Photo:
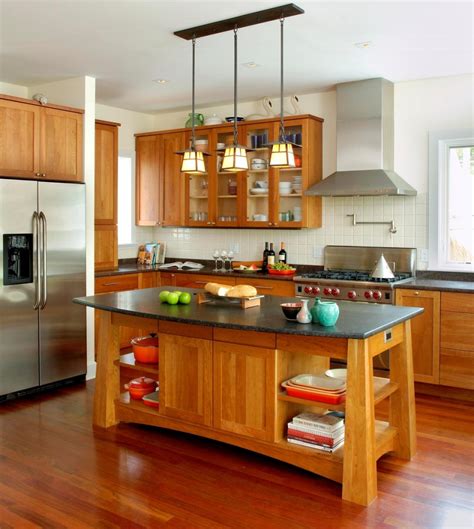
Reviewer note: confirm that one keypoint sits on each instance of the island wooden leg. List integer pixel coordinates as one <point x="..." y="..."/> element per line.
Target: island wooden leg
<point x="359" y="483"/>
<point x="402" y="402"/>
<point x="107" y="382"/>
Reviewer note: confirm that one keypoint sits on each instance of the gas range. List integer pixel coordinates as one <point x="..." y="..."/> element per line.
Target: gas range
<point x="347" y="274"/>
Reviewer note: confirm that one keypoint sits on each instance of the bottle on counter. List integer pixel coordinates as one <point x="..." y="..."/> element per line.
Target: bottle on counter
<point x="265" y="258"/>
<point x="282" y="256"/>
<point x="271" y="255"/>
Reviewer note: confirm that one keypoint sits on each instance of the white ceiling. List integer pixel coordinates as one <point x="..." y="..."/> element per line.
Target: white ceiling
<point x="127" y="44"/>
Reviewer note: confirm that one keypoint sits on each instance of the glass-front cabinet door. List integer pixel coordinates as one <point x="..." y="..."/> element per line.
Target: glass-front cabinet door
<point x="199" y="187"/>
<point x="228" y="184"/>
<point x="291" y="182"/>
<point x="258" y="181"/>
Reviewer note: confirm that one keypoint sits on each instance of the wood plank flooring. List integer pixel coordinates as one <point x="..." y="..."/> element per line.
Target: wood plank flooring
<point x="57" y="472"/>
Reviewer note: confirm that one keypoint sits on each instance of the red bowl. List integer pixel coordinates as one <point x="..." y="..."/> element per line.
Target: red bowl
<point x="145" y="349"/>
<point x="281" y="272"/>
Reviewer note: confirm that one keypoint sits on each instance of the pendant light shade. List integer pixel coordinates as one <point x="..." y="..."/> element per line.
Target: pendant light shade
<point x="282" y="151"/>
<point x="193" y="161"/>
<point x="235" y="155"/>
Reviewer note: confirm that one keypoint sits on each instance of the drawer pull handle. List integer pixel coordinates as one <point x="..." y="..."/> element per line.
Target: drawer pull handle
<point x="417" y="293"/>
<point x="263" y="287"/>
<point x="110" y="284"/>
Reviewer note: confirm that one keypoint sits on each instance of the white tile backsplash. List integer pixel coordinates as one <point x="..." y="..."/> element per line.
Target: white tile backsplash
<point x="409" y="213"/>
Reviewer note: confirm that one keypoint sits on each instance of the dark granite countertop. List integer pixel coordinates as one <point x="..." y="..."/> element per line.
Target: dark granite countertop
<point x="442" y="285"/>
<point x="357" y="320"/>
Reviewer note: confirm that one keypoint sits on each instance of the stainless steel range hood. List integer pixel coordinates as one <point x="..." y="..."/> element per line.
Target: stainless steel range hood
<point x="364" y="143"/>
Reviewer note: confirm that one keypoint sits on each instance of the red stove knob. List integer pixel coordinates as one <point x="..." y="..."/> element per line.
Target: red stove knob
<point x="316" y="290"/>
<point x="368" y="294"/>
<point x="307" y="290"/>
<point x="377" y="294"/>
<point x="351" y="294"/>
<point x="335" y="292"/>
<point x="327" y="291"/>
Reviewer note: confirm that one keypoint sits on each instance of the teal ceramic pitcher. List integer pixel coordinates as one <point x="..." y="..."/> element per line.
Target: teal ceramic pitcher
<point x="326" y="313"/>
<point x="198" y="120"/>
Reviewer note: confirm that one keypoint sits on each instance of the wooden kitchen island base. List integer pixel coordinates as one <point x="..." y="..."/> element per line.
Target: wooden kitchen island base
<point x="225" y="384"/>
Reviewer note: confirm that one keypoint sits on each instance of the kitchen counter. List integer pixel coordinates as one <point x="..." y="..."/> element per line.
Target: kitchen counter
<point x="221" y="369"/>
<point x="439" y="284"/>
<point x="357" y="320"/>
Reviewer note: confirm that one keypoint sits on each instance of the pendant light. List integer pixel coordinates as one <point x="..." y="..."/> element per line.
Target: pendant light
<point x="282" y="154"/>
<point x="235" y="155"/>
<point x="193" y="161"/>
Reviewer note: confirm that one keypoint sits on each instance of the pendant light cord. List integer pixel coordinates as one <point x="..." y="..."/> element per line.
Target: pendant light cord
<point x="193" y="96"/>
<point x="282" y="126"/>
<point x="235" y="85"/>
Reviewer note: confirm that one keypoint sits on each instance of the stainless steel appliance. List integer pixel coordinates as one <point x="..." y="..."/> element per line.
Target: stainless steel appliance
<point x="347" y="274"/>
<point x="42" y="268"/>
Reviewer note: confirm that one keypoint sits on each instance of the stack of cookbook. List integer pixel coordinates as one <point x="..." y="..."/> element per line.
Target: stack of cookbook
<point x="314" y="430"/>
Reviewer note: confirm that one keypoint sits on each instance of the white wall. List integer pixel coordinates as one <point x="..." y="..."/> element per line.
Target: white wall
<point x="13" y="90"/>
<point x="131" y="123"/>
<point x="420" y="107"/>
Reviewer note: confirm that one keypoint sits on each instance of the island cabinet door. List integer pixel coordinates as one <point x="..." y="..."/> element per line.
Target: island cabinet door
<point x="186" y="378"/>
<point x="244" y="387"/>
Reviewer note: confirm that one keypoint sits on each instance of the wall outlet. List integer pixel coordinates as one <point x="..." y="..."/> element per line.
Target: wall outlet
<point x="424" y="256"/>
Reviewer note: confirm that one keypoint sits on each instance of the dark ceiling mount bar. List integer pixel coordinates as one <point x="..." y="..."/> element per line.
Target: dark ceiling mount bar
<point x="250" y="19"/>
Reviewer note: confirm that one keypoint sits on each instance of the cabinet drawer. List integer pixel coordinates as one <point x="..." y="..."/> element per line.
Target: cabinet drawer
<point x="457" y="330"/>
<point x="457" y="368"/>
<point x="198" y="281"/>
<point x="270" y="287"/>
<point x="456" y="302"/>
<point x="116" y="283"/>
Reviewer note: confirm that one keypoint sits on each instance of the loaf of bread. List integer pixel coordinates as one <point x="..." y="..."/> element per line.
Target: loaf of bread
<point x="242" y="291"/>
<point x="216" y="289"/>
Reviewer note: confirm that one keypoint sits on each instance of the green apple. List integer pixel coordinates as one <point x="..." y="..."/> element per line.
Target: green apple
<point x="178" y="292"/>
<point x="173" y="298"/>
<point x="164" y="296"/>
<point x="185" y="298"/>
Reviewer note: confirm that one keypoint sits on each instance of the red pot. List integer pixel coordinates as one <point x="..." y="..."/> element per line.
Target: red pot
<point x="145" y="349"/>
<point x="139" y="387"/>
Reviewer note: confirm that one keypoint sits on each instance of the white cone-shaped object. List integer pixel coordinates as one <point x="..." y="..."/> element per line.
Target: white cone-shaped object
<point x="382" y="270"/>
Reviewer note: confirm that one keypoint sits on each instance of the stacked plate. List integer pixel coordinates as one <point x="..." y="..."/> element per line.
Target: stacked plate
<point x="285" y="188"/>
<point x="297" y="185"/>
<point x="319" y="388"/>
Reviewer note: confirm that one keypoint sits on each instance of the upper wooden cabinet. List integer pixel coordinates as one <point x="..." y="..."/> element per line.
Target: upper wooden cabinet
<point x="106" y="177"/>
<point x="223" y="199"/>
<point x="159" y="183"/>
<point x="43" y="142"/>
<point x="425" y="332"/>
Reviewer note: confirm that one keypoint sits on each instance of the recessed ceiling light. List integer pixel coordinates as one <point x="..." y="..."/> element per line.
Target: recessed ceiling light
<point x="364" y="45"/>
<point x="251" y="65"/>
<point x="161" y="81"/>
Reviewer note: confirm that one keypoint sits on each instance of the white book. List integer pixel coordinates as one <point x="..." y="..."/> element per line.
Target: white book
<point x="328" y="423"/>
<point x="315" y="446"/>
<point x="336" y="434"/>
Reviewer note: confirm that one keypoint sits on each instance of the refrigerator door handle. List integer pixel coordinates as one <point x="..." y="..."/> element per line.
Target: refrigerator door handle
<point x="38" y="261"/>
<point x="44" y="252"/>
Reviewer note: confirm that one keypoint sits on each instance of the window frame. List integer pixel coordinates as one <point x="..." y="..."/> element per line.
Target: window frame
<point x="131" y="155"/>
<point x="439" y="145"/>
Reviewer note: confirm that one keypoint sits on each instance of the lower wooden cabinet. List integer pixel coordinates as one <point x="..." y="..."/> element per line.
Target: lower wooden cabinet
<point x="198" y="281"/>
<point x="425" y="332"/>
<point x="186" y="385"/>
<point x="244" y="382"/>
<point x="457" y="340"/>
<point x="270" y="287"/>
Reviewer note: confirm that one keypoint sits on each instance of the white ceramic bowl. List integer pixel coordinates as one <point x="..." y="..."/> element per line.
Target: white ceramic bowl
<point x="258" y="191"/>
<point x="220" y="146"/>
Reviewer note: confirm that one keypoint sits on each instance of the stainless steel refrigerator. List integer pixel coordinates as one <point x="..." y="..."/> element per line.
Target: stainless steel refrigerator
<point x="42" y="268"/>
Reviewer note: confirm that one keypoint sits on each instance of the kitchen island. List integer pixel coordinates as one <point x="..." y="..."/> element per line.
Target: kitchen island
<point x="221" y="369"/>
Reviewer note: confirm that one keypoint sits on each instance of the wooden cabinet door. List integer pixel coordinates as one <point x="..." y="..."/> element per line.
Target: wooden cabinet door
<point x="244" y="390"/>
<point x="425" y="332"/>
<point x="61" y="150"/>
<point x="198" y="280"/>
<point x="147" y="180"/>
<point x="167" y="279"/>
<point x="186" y="378"/>
<point x="105" y="247"/>
<point x="270" y="287"/>
<point x="19" y="139"/>
<point x="172" y="181"/>
<point x="106" y="167"/>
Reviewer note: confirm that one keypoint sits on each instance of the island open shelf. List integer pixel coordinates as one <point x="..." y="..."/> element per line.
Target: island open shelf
<point x="221" y="370"/>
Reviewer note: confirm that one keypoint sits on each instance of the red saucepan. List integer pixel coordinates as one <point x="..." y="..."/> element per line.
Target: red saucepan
<point x="139" y="387"/>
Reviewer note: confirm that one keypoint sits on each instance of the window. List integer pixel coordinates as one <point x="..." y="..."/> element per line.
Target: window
<point x="125" y="200"/>
<point x="452" y="202"/>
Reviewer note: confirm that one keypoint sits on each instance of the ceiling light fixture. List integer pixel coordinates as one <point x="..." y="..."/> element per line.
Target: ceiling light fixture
<point x="251" y="65"/>
<point x="161" y="81"/>
<point x="363" y="45"/>
<point x="282" y="154"/>
<point x="193" y="161"/>
<point x="235" y="155"/>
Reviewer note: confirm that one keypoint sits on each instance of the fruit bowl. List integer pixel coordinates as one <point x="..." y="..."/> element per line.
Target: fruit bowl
<point x="290" y="310"/>
<point x="288" y="272"/>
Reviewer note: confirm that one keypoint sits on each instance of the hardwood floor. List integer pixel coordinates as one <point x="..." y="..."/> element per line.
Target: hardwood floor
<point x="57" y="472"/>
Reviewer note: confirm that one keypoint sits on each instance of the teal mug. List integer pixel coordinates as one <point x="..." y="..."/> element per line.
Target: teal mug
<point x="326" y="313"/>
